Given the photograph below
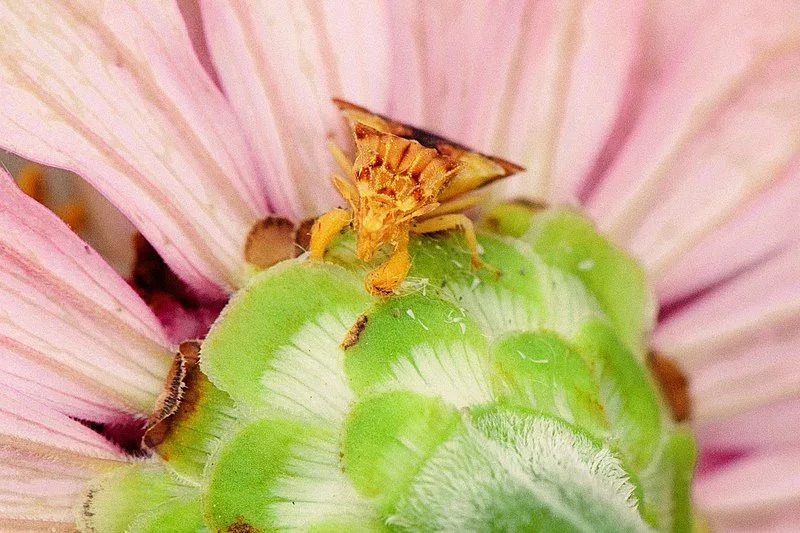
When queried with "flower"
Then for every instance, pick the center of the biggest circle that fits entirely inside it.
(673, 125)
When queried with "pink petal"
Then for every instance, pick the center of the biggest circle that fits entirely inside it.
(70, 323)
(739, 343)
(770, 426)
(759, 304)
(37, 429)
(539, 83)
(766, 371)
(448, 62)
(114, 92)
(718, 126)
(39, 493)
(190, 10)
(104, 227)
(601, 82)
(759, 493)
(280, 64)
(59, 389)
(757, 229)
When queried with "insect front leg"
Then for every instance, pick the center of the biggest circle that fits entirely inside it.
(325, 228)
(347, 189)
(452, 221)
(384, 280)
(344, 162)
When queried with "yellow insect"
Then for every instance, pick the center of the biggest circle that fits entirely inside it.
(403, 180)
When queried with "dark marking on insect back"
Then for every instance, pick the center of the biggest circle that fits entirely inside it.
(426, 138)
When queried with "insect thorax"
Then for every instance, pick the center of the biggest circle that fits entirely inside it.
(397, 180)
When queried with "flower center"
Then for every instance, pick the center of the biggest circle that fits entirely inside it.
(512, 398)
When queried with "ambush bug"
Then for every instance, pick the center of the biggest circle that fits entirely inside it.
(403, 180)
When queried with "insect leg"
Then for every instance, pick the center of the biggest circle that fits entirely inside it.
(384, 280)
(326, 228)
(341, 159)
(346, 188)
(452, 221)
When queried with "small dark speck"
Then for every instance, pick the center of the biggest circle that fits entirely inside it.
(87, 249)
(444, 283)
(521, 271)
(395, 312)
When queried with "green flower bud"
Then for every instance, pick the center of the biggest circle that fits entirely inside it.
(510, 398)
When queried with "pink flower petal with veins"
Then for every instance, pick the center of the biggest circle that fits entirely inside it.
(113, 91)
(717, 127)
(768, 427)
(37, 429)
(758, 493)
(39, 493)
(765, 372)
(280, 64)
(756, 230)
(763, 301)
(65, 311)
(440, 67)
(744, 355)
(26, 376)
(539, 83)
(45, 461)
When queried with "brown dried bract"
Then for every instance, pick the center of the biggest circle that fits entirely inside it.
(673, 383)
(355, 332)
(270, 241)
(175, 395)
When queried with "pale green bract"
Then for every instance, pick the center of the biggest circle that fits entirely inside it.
(470, 401)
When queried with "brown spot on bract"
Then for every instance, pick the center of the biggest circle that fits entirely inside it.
(355, 332)
(179, 396)
(240, 526)
(270, 241)
(673, 384)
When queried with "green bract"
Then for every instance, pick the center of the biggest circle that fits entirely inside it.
(505, 399)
